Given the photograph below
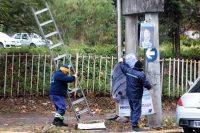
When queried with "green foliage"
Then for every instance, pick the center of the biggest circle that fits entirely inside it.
(166, 50)
(23, 50)
(192, 52)
(16, 15)
(91, 21)
(99, 49)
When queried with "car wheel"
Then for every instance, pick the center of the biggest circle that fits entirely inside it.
(197, 130)
(187, 130)
(32, 45)
(1, 45)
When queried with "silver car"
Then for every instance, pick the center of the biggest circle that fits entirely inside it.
(188, 109)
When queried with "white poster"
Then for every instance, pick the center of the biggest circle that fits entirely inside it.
(147, 105)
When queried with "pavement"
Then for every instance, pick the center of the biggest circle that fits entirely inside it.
(21, 120)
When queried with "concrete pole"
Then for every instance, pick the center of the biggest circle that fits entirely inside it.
(153, 74)
(119, 30)
(131, 34)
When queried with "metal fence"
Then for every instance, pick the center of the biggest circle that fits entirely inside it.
(30, 75)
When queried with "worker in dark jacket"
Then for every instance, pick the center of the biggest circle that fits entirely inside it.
(58, 92)
(135, 82)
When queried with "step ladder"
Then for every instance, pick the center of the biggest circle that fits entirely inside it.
(59, 54)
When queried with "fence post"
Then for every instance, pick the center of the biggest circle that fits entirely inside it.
(100, 72)
(11, 91)
(38, 75)
(195, 70)
(186, 77)
(174, 67)
(111, 73)
(94, 71)
(169, 85)
(162, 73)
(178, 73)
(44, 75)
(190, 70)
(88, 72)
(18, 74)
(5, 76)
(182, 73)
(198, 68)
(31, 87)
(106, 71)
(82, 67)
(25, 73)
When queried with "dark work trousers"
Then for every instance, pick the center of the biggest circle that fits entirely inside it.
(59, 103)
(135, 106)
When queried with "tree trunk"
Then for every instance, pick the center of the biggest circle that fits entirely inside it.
(177, 36)
(177, 42)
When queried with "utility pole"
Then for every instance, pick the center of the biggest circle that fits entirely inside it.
(131, 34)
(119, 30)
(152, 70)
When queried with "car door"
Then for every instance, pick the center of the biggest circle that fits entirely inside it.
(25, 39)
(18, 38)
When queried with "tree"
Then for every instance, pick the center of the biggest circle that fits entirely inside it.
(16, 15)
(175, 17)
(91, 21)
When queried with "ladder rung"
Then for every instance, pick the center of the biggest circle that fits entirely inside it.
(47, 22)
(41, 11)
(78, 101)
(83, 111)
(56, 45)
(74, 90)
(61, 56)
(51, 34)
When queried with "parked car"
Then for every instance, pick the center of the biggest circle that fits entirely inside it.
(188, 109)
(32, 39)
(7, 41)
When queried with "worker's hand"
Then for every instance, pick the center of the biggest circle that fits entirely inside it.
(121, 60)
(152, 85)
(75, 75)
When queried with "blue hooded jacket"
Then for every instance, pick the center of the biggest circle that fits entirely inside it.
(135, 81)
(59, 84)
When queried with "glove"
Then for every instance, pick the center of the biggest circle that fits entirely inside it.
(75, 75)
(121, 60)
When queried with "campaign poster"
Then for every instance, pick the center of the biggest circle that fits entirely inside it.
(146, 35)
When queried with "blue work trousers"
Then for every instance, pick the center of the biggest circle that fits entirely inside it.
(135, 106)
(59, 103)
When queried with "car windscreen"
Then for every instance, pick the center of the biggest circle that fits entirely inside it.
(195, 88)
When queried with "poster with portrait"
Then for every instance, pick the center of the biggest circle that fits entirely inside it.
(146, 35)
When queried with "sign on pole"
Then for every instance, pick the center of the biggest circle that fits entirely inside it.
(151, 54)
(146, 35)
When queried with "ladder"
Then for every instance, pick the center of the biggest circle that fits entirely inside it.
(58, 53)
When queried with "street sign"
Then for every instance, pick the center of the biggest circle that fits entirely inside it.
(151, 54)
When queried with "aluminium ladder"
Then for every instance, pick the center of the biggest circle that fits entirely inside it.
(54, 50)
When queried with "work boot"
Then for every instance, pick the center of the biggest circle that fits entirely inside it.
(58, 122)
(62, 123)
(137, 129)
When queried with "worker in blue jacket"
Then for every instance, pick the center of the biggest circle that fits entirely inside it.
(58, 92)
(135, 82)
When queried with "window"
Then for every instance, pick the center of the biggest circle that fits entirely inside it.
(196, 88)
(24, 36)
